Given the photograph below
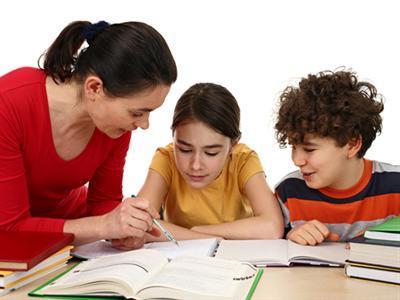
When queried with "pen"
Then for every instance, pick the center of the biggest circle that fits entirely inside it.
(163, 229)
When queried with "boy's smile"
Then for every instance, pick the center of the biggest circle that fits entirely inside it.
(323, 164)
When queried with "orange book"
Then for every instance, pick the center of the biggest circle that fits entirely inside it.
(20, 251)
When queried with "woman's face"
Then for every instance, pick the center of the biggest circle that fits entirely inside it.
(116, 116)
(200, 153)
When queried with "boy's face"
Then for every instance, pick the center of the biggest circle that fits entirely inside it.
(322, 163)
(200, 153)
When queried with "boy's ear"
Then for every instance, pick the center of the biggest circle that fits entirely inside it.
(353, 146)
(92, 86)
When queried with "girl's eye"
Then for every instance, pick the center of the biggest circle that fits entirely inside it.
(212, 153)
(184, 150)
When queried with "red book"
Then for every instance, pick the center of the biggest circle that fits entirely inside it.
(20, 251)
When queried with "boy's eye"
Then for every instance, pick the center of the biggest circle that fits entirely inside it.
(309, 150)
(212, 153)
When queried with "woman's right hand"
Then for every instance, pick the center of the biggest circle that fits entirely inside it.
(132, 218)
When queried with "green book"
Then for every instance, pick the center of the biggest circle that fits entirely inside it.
(389, 230)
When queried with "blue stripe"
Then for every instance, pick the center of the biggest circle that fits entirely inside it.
(380, 184)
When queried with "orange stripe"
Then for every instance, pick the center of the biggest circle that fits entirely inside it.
(355, 189)
(368, 209)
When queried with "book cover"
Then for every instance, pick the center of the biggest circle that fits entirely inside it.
(389, 230)
(20, 251)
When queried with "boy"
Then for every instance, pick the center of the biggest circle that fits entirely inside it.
(330, 121)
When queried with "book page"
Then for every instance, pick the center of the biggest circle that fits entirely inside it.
(189, 276)
(200, 247)
(326, 253)
(257, 252)
(130, 270)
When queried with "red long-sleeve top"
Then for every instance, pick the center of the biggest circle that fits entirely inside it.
(38, 189)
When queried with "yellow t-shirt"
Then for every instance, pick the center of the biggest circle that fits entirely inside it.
(221, 201)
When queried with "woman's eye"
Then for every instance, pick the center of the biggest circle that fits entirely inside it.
(137, 114)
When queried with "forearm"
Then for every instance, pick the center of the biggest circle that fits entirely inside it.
(250, 228)
(86, 230)
(179, 233)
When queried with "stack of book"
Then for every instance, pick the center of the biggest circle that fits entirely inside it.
(376, 255)
(27, 256)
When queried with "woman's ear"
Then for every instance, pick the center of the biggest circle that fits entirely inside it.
(92, 87)
(353, 146)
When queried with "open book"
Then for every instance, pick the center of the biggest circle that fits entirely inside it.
(199, 247)
(282, 252)
(147, 274)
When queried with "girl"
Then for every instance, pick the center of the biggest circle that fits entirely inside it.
(205, 181)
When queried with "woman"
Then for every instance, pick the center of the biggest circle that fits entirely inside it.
(207, 183)
(70, 124)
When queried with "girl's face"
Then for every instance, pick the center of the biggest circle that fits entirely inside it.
(200, 152)
(115, 116)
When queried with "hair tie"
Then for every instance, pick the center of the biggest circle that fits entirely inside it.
(90, 31)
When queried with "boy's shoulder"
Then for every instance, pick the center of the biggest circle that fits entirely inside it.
(293, 176)
(381, 167)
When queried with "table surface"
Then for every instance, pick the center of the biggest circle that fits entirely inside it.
(298, 283)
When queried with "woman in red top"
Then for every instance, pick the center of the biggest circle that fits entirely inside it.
(70, 124)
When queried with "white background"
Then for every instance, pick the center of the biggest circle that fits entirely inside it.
(254, 48)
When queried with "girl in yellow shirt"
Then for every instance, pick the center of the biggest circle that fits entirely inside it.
(206, 182)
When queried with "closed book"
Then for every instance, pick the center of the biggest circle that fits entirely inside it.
(389, 230)
(371, 272)
(20, 251)
(365, 251)
(10, 278)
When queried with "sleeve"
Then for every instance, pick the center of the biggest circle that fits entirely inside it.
(162, 163)
(105, 187)
(249, 164)
(14, 197)
(281, 196)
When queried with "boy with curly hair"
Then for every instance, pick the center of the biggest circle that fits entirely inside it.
(330, 120)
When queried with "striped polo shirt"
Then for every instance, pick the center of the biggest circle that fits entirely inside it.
(372, 200)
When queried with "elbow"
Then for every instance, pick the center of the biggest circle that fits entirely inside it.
(271, 230)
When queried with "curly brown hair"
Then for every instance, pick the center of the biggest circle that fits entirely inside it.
(330, 104)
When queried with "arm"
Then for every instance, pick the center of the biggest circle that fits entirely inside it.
(155, 190)
(122, 221)
(266, 223)
(130, 219)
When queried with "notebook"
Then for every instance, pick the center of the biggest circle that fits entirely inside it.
(282, 252)
(20, 251)
(150, 274)
(199, 247)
